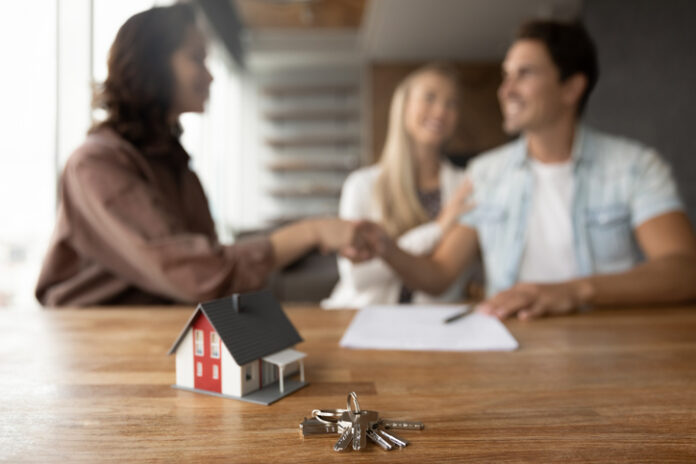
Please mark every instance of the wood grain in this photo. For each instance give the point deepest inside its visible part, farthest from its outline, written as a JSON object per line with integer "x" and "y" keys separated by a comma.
{"x": 608, "y": 386}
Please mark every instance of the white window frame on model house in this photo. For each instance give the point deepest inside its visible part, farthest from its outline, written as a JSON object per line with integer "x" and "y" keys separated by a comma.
{"x": 199, "y": 342}
{"x": 214, "y": 345}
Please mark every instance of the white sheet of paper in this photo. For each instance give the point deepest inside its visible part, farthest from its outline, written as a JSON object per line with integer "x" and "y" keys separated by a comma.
{"x": 421, "y": 327}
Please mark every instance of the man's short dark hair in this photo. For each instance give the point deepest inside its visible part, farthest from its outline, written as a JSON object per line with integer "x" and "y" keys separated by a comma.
{"x": 571, "y": 49}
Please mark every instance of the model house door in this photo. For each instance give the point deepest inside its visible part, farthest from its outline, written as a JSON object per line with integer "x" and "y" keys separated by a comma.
{"x": 206, "y": 356}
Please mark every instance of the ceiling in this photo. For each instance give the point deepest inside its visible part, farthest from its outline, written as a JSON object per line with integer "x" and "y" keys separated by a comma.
{"x": 388, "y": 30}
{"x": 405, "y": 30}
{"x": 301, "y": 14}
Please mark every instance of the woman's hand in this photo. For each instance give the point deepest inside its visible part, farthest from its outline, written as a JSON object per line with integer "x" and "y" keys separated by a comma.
{"x": 342, "y": 236}
{"x": 374, "y": 238}
{"x": 460, "y": 203}
{"x": 328, "y": 234}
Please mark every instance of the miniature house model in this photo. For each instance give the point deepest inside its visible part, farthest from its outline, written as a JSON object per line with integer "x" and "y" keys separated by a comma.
{"x": 239, "y": 347}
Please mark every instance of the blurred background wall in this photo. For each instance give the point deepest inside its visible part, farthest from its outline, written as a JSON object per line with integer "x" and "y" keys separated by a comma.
{"x": 646, "y": 89}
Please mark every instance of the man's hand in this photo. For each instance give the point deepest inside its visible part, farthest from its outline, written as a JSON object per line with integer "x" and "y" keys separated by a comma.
{"x": 342, "y": 236}
{"x": 529, "y": 301}
{"x": 372, "y": 238}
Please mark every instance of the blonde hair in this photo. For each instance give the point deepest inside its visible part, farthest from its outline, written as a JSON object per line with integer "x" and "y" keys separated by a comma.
{"x": 396, "y": 192}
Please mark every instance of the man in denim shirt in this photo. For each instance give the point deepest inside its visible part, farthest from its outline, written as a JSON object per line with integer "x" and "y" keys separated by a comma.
{"x": 565, "y": 217}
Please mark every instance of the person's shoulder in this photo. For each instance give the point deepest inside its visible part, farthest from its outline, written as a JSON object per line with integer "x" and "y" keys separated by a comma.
{"x": 356, "y": 195}
{"x": 496, "y": 160}
{"x": 103, "y": 153}
{"x": 612, "y": 150}
{"x": 365, "y": 172}
{"x": 451, "y": 174}
{"x": 101, "y": 145}
{"x": 363, "y": 177}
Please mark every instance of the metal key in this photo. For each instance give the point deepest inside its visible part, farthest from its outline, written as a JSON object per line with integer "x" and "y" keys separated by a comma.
{"x": 404, "y": 425}
{"x": 344, "y": 440}
{"x": 375, "y": 436}
{"x": 361, "y": 424}
{"x": 392, "y": 437}
{"x": 355, "y": 426}
{"x": 328, "y": 416}
{"x": 359, "y": 420}
{"x": 313, "y": 427}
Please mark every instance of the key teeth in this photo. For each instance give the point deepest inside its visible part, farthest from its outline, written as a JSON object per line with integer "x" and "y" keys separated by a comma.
{"x": 348, "y": 437}
{"x": 402, "y": 425}
{"x": 373, "y": 435}
{"x": 359, "y": 437}
{"x": 392, "y": 437}
{"x": 357, "y": 432}
{"x": 313, "y": 428}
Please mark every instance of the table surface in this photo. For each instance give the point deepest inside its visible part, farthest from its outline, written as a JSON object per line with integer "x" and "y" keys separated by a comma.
{"x": 93, "y": 385}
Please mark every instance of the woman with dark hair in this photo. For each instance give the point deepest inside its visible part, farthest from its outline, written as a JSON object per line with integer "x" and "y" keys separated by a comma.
{"x": 133, "y": 225}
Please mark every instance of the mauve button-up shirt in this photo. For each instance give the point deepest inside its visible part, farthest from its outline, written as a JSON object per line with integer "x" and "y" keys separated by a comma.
{"x": 135, "y": 228}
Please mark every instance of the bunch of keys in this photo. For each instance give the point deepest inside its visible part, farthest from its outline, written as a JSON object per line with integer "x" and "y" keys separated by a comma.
{"x": 355, "y": 426}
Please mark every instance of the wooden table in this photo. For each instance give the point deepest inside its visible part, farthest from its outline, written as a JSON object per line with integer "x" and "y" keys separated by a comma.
{"x": 609, "y": 386}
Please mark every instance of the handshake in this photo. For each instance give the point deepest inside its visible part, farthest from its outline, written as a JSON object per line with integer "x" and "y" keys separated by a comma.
{"x": 356, "y": 240}
{"x": 363, "y": 240}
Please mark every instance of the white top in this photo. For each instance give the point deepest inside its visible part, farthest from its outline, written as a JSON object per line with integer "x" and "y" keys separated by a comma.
{"x": 549, "y": 252}
{"x": 374, "y": 282}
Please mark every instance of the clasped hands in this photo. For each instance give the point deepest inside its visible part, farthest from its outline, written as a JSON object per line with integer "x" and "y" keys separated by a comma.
{"x": 525, "y": 301}
{"x": 369, "y": 240}
{"x": 356, "y": 240}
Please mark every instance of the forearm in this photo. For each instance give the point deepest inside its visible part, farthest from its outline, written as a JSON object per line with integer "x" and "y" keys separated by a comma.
{"x": 293, "y": 241}
{"x": 418, "y": 272}
{"x": 669, "y": 279}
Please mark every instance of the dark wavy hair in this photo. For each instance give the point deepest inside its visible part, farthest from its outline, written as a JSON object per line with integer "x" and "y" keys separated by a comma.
{"x": 139, "y": 90}
{"x": 571, "y": 48}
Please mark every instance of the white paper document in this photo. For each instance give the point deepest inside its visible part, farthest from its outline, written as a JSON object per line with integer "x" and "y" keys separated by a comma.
{"x": 419, "y": 327}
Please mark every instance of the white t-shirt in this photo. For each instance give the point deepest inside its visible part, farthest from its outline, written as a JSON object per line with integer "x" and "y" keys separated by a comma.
{"x": 549, "y": 254}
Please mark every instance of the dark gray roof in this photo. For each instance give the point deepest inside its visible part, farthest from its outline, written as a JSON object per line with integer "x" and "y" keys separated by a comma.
{"x": 260, "y": 327}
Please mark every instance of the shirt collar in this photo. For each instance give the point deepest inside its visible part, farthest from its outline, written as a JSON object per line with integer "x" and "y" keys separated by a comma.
{"x": 579, "y": 150}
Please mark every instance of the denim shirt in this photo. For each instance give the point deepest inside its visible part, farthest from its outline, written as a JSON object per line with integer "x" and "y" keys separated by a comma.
{"x": 619, "y": 184}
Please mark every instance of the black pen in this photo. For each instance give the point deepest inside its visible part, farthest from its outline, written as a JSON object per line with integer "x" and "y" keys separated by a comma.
{"x": 467, "y": 310}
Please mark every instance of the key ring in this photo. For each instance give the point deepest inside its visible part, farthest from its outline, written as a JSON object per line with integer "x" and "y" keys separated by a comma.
{"x": 328, "y": 416}
{"x": 354, "y": 397}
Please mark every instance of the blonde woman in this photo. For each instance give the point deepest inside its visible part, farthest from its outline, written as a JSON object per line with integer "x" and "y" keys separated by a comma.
{"x": 413, "y": 191}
